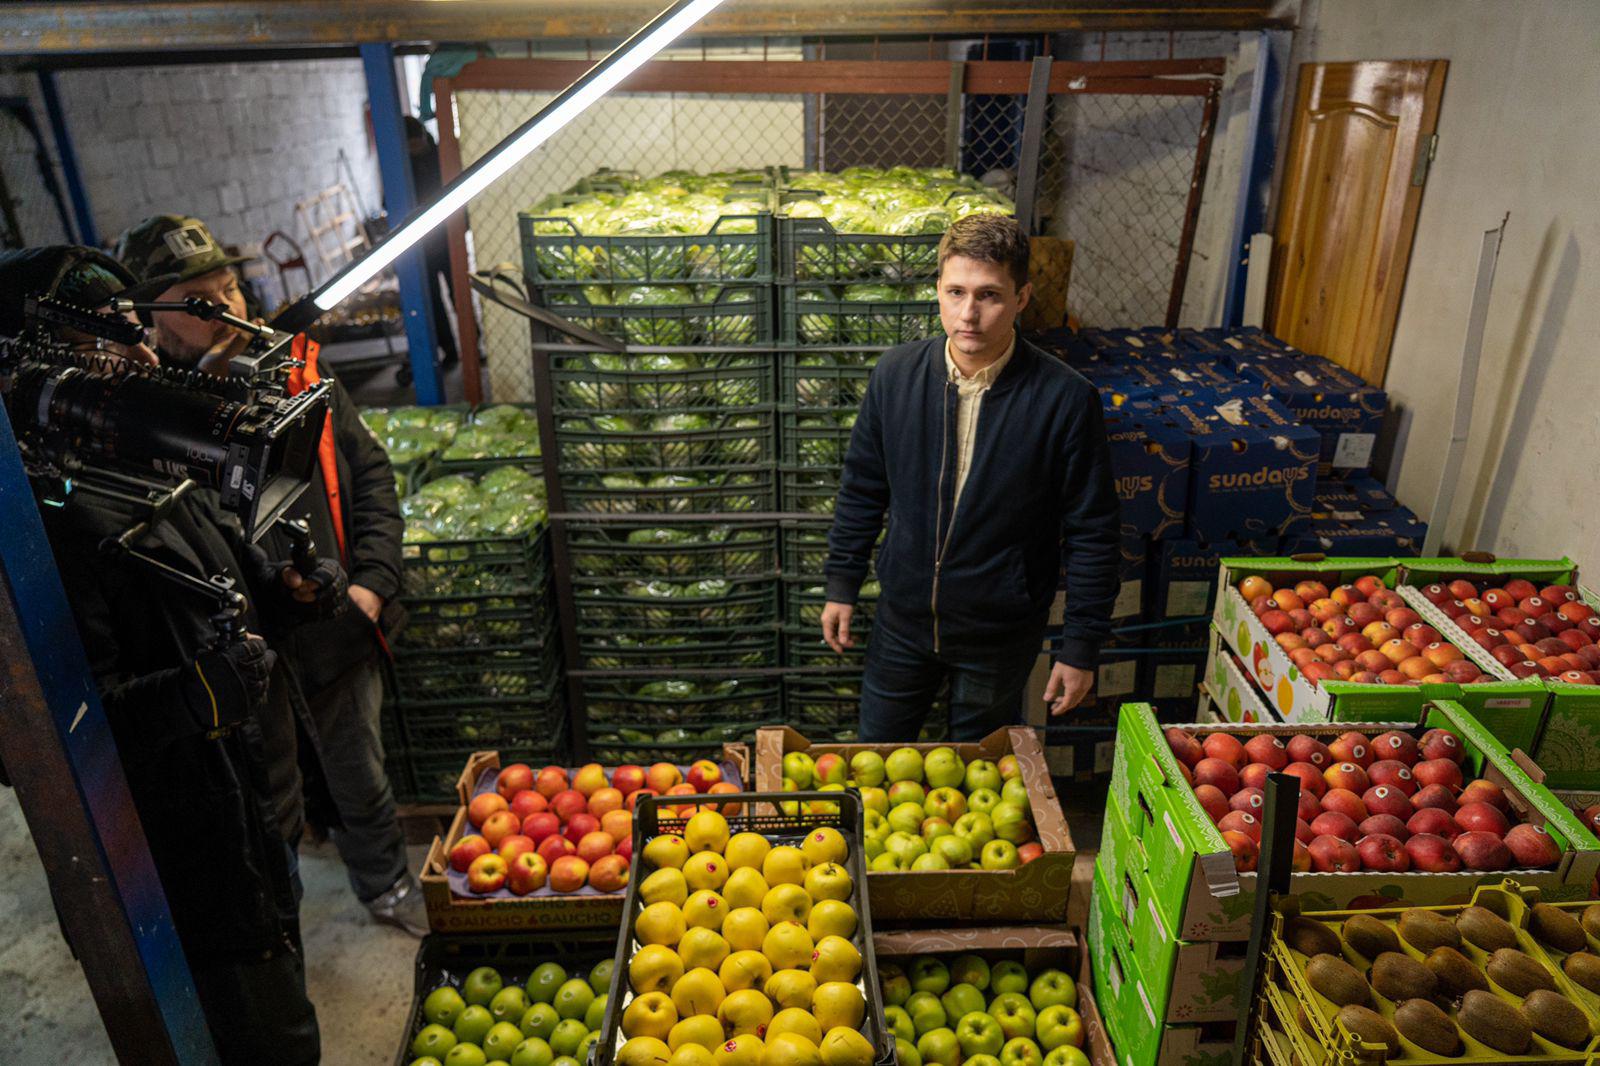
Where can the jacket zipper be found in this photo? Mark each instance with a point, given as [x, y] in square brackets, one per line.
[940, 534]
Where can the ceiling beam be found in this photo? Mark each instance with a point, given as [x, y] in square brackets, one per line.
[44, 29]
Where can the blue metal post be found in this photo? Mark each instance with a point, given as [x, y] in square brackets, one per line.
[1250, 204]
[68, 155]
[103, 878]
[394, 164]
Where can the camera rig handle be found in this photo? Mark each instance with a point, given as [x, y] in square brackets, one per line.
[302, 549]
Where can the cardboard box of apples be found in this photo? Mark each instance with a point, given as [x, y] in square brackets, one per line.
[960, 848]
[552, 846]
[1174, 813]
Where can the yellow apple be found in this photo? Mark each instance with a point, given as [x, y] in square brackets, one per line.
[746, 849]
[786, 902]
[744, 969]
[659, 923]
[654, 968]
[666, 851]
[792, 989]
[692, 1055]
[745, 887]
[697, 992]
[644, 1051]
[745, 928]
[835, 959]
[651, 1014]
[845, 1046]
[665, 885]
[785, 865]
[828, 880]
[746, 1049]
[745, 1011]
[790, 1049]
[831, 917]
[838, 1003]
[706, 831]
[702, 947]
[702, 1029]
[705, 910]
[706, 869]
[788, 946]
[797, 1021]
[825, 844]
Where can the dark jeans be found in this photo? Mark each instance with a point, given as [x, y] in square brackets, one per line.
[370, 841]
[258, 1012]
[901, 680]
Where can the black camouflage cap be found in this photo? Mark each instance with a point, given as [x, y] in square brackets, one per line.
[173, 244]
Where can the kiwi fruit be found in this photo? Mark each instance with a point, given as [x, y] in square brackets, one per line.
[1370, 1027]
[1555, 1017]
[1428, 1027]
[1310, 938]
[1486, 929]
[1554, 926]
[1339, 983]
[1490, 1020]
[1426, 930]
[1591, 920]
[1399, 977]
[1518, 972]
[1455, 973]
[1583, 969]
[1369, 937]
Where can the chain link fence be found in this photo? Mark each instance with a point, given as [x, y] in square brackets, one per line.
[28, 181]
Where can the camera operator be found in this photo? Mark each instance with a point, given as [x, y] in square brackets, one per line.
[186, 711]
[351, 507]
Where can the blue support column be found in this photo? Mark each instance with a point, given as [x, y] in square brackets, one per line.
[68, 155]
[70, 783]
[394, 163]
[1255, 182]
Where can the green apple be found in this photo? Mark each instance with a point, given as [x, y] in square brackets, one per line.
[954, 849]
[481, 985]
[904, 764]
[874, 824]
[906, 792]
[1050, 988]
[983, 800]
[905, 1053]
[875, 799]
[900, 1023]
[970, 970]
[434, 1039]
[1014, 791]
[943, 768]
[539, 1020]
[565, 1060]
[573, 998]
[596, 1014]
[567, 1036]
[981, 773]
[582, 1054]
[930, 861]
[961, 1000]
[975, 828]
[939, 1047]
[868, 768]
[928, 974]
[798, 767]
[509, 1004]
[946, 803]
[600, 976]
[1008, 975]
[979, 1034]
[888, 862]
[1011, 823]
[907, 818]
[934, 828]
[532, 1052]
[1059, 1025]
[544, 981]
[443, 1006]
[1021, 1051]
[999, 855]
[473, 1025]
[981, 1060]
[426, 1060]
[895, 984]
[1066, 1055]
[927, 1013]
[1014, 1013]
[501, 1041]
[466, 1055]
[905, 847]
[873, 847]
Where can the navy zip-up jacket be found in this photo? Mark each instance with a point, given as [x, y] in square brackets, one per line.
[1039, 504]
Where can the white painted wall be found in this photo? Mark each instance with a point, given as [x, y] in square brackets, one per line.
[1517, 133]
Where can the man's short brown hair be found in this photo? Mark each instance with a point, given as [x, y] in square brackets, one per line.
[988, 238]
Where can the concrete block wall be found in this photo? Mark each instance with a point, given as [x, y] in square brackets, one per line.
[236, 144]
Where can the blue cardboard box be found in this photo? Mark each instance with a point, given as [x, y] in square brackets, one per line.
[1326, 397]
[1394, 533]
[1186, 576]
[1150, 463]
[1134, 575]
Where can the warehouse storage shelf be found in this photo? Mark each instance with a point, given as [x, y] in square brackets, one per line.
[612, 381]
[697, 549]
[652, 440]
[672, 491]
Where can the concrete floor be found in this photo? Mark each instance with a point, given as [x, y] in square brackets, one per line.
[359, 974]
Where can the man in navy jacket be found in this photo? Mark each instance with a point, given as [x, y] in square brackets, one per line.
[989, 460]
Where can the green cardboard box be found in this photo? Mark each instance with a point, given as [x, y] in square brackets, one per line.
[1227, 691]
[1187, 981]
[1199, 894]
[1139, 1036]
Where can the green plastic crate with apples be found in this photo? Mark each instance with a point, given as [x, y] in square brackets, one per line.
[1202, 893]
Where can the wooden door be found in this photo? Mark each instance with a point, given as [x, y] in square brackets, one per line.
[1358, 152]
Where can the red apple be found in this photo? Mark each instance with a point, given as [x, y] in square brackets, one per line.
[1416, 668]
[1345, 595]
[1393, 773]
[484, 805]
[1576, 677]
[609, 873]
[1482, 818]
[538, 826]
[1245, 852]
[1301, 863]
[1385, 799]
[1392, 676]
[1369, 584]
[1241, 822]
[1437, 772]
[703, 773]
[1462, 672]
[1482, 851]
[1442, 797]
[1253, 586]
[567, 803]
[636, 795]
[1432, 854]
[1462, 589]
[1343, 801]
[1374, 661]
[1287, 600]
[1268, 750]
[661, 776]
[487, 873]
[1301, 618]
[518, 777]
[1248, 800]
[1026, 853]
[1364, 615]
[551, 779]
[1338, 627]
[1441, 744]
[1383, 853]
[1254, 776]
[1420, 634]
[627, 777]
[1309, 750]
[1212, 801]
[466, 850]
[514, 845]
[1521, 588]
[527, 873]
[498, 826]
[580, 825]
[554, 847]
[528, 802]
[1334, 824]
[1506, 654]
[596, 845]
[1534, 606]
[1311, 590]
[1386, 600]
[1219, 773]
[1497, 598]
[1303, 657]
[1434, 821]
[1533, 846]
[568, 874]
[1436, 594]
[1331, 854]
[1320, 671]
[1481, 791]
[1386, 824]
[1346, 775]
[1302, 831]
[1185, 746]
[1226, 747]
[1308, 806]
[1311, 779]
[1276, 622]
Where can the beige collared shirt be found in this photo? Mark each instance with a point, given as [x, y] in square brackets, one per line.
[969, 393]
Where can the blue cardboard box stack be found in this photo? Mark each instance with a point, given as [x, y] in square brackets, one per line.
[1223, 442]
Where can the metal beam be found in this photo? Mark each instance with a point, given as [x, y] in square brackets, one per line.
[37, 28]
[399, 197]
[68, 155]
[58, 749]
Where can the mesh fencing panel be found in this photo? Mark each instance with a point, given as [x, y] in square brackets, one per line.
[38, 219]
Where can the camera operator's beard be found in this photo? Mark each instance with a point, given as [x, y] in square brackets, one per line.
[174, 352]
